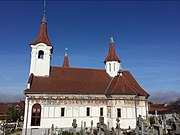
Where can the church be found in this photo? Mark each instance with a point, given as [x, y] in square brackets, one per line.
[57, 95]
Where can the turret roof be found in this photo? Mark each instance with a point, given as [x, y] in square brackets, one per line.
[66, 62]
[43, 36]
[112, 54]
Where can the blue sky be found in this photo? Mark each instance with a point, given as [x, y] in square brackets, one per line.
[146, 35]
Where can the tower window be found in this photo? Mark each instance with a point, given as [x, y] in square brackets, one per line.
[87, 111]
[41, 54]
[36, 115]
[118, 112]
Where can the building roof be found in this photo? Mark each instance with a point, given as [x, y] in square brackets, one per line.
[160, 108]
[84, 81]
[163, 108]
[21, 104]
[4, 107]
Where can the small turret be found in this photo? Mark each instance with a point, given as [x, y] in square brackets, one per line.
[66, 62]
[112, 62]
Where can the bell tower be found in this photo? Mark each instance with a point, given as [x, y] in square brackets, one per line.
[112, 62]
[41, 50]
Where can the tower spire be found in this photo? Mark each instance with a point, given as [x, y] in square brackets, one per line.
[44, 14]
[66, 62]
[112, 54]
[112, 62]
[43, 35]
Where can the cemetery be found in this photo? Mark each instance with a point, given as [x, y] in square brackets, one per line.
[154, 125]
[157, 125]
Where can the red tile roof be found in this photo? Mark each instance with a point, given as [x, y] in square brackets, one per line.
[84, 81]
[160, 108]
[4, 107]
[112, 54]
[21, 104]
[42, 36]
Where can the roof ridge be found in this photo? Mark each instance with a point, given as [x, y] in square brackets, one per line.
[123, 85]
[78, 68]
[110, 82]
[115, 85]
[143, 92]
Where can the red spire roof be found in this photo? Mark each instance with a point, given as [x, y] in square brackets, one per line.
[112, 54]
[43, 36]
[66, 62]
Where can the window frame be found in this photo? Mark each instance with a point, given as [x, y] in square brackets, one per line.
[36, 115]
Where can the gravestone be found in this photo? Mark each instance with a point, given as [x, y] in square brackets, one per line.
[118, 130]
[91, 129]
[74, 125]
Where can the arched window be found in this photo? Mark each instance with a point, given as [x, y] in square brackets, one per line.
[40, 54]
[36, 115]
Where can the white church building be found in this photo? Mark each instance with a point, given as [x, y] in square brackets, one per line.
[57, 95]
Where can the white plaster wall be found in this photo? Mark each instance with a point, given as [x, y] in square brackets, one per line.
[123, 113]
[51, 115]
[112, 68]
[51, 112]
[69, 111]
[25, 113]
[95, 111]
[75, 111]
[46, 111]
[82, 111]
[57, 112]
[40, 67]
